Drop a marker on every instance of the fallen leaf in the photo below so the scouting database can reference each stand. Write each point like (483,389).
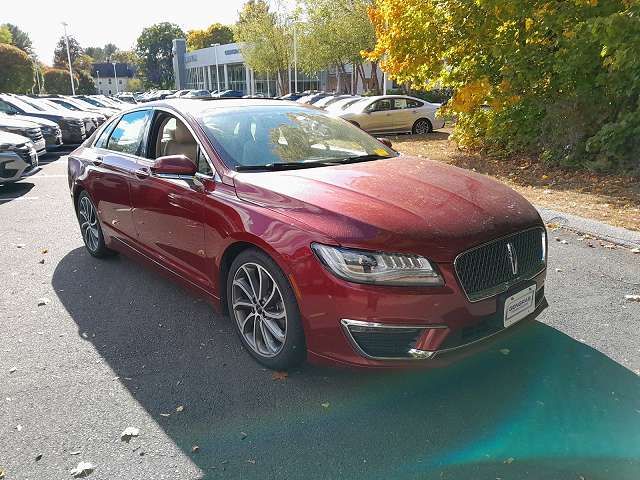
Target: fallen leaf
(564,242)
(279,375)
(558,270)
(505,351)
(165,414)
(75,452)
(20,245)
(2,472)
(41,261)
(38,457)
(325,404)
(12,369)
(253,462)
(19,428)
(45,250)
(509,460)
(129,433)
(179,408)
(195,448)
(83,469)
(243,435)
(632,298)
(635,250)
(43,301)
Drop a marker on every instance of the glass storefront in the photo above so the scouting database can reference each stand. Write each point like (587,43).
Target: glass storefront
(265,84)
(305,82)
(214,77)
(236,74)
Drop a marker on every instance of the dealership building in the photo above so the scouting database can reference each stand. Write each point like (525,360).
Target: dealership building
(222,67)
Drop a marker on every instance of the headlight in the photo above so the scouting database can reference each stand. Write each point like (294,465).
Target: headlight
(377,267)
(544,245)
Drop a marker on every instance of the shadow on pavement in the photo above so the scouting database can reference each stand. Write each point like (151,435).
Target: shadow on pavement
(549,408)
(13,191)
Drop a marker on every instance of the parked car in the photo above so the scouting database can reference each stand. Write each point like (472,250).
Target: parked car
(50,130)
(71,126)
(91,119)
(313,97)
(342,103)
(319,240)
(77,104)
(26,129)
(18,157)
(197,94)
(126,97)
(179,93)
(393,114)
(291,96)
(329,99)
(229,94)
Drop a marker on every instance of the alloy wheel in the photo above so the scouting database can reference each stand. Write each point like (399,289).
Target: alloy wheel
(89,224)
(259,310)
(421,127)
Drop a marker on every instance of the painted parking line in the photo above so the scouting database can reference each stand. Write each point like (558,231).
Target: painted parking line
(10,199)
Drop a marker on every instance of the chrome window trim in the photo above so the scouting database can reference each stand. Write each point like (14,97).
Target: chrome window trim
(503,287)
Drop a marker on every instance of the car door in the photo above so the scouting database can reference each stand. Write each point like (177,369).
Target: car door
(403,116)
(168,209)
(115,161)
(378,116)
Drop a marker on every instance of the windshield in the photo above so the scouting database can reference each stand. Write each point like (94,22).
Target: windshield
(283,134)
(93,102)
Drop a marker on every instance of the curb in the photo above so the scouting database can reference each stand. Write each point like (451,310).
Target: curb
(616,235)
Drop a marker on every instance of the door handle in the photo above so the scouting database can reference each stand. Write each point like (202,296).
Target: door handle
(142,173)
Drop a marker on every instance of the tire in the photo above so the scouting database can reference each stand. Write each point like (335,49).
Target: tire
(90,228)
(422,126)
(268,321)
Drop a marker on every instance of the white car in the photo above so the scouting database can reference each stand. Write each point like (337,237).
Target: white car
(18,157)
(392,114)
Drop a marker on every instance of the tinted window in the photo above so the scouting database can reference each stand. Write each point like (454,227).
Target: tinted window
(128,134)
(381,105)
(399,103)
(414,103)
(203,165)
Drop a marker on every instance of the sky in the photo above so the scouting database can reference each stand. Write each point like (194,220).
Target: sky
(119,22)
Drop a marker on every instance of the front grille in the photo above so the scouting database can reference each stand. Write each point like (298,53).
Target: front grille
(384,342)
(487,270)
(35,134)
(25,153)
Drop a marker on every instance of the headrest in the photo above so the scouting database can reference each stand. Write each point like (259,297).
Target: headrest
(182,133)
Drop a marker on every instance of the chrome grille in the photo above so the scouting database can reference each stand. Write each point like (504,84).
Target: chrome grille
(488,270)
(35,134)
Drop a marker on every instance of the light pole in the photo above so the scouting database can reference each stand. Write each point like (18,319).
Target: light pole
(98,74)
(115,75)
(66,41)
(215,46)
(295,58)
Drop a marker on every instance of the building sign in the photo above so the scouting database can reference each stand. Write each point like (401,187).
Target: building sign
(232,51)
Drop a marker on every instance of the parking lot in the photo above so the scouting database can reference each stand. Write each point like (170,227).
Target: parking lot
(91,347)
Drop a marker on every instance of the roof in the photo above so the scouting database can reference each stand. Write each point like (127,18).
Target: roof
(197,105)
(105,70)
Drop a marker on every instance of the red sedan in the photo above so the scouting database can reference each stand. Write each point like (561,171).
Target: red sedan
(320,241)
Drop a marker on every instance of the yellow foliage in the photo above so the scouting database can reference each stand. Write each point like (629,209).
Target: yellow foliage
(471,96)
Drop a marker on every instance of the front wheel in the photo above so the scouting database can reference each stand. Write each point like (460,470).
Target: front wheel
(264,309)
(422,126)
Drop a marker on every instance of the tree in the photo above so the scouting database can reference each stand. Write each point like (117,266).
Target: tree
(125,56)
(155,49)
(85,85)
(560,78)
(216,33)
(19,39)
(335,34)
(5,35)
(56,80)
(266,40)
(16,70)
(60,52)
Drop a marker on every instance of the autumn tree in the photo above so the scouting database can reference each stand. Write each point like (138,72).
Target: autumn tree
(215,33)
(16,70)
(56,80)
(5,35)
(557,79)
(266,39)
(19,38)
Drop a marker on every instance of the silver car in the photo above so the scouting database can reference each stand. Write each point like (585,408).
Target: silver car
(24,128)
(393,114)
(18,157)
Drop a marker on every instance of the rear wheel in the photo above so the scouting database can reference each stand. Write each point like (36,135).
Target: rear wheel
(422,126)
(90,227)
(264,309)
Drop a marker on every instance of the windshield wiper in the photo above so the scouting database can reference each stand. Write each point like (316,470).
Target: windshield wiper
(364,158)
(285,165)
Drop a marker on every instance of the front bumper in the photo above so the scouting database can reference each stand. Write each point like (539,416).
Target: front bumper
(424,326)
(16,165)
(73,133)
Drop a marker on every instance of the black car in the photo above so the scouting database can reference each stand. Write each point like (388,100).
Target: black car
(229,94)
(72,126)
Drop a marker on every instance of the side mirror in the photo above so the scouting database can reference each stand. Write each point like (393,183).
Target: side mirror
(174,165)
(386,141)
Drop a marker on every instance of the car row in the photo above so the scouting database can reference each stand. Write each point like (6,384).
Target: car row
(35,124)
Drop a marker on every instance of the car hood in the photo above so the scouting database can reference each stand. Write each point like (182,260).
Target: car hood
(43,122)
(15,122)
(404,204)
(12,138)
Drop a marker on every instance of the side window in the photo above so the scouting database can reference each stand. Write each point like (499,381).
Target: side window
(128,135)
(380,105)
(6,108)
(414,103)
(399,103)
(203,165)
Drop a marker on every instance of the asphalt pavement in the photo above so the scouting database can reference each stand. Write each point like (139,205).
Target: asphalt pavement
(90,347)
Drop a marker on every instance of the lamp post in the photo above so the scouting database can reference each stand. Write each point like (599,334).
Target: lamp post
(115,75)
(98,74)
(215,51)
(295,58)
(66,41)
